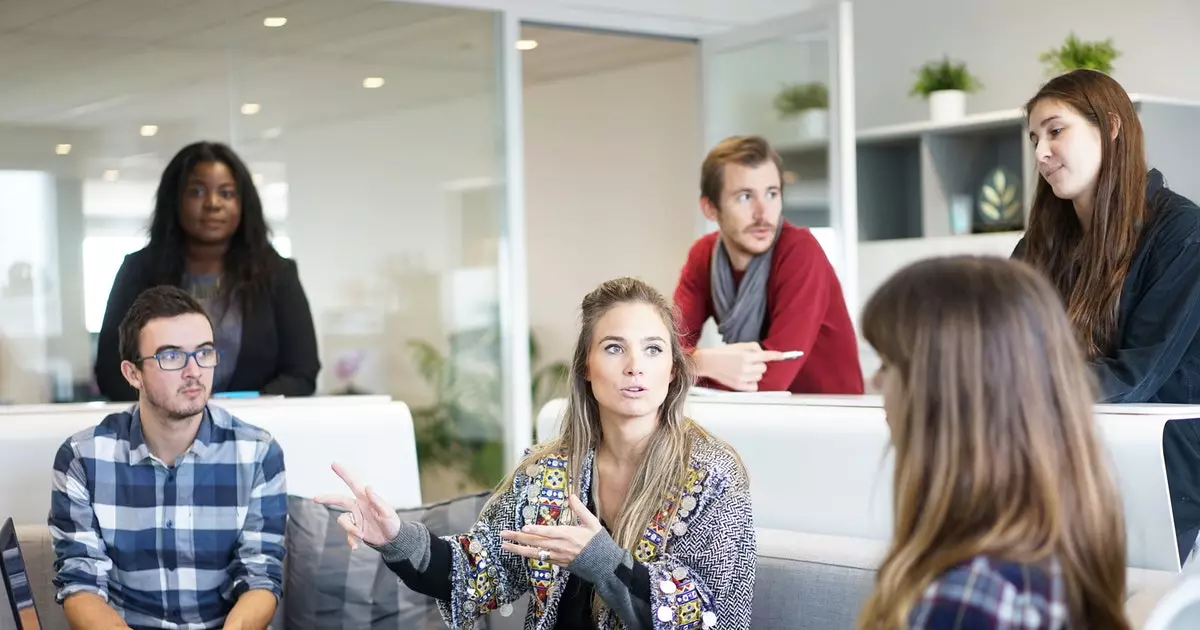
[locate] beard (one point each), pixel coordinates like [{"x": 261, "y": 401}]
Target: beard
[{"x": 176, "y": 405}]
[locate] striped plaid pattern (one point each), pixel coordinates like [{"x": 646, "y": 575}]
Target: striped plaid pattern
[
  {"x": 169, "y": 548},
  {"x": 990, "y": 593}
]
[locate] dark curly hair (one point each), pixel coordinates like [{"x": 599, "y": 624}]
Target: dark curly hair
[{"x": 247, "y": 268}]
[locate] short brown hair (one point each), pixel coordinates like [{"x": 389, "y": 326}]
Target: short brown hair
[
  {"x": 154, "y": 303},
  {"x": 744, "y": 150}
]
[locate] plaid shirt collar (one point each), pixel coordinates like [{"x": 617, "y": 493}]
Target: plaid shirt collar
[{"x": 204, "y": 444}]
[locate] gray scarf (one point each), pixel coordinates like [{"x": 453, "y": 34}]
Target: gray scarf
[{"x": 741, "y": 310}]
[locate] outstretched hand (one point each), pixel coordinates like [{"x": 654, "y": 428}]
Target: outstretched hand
[
  {"x": 561, "y": 543},
  {"x": 367, "y": 517}
]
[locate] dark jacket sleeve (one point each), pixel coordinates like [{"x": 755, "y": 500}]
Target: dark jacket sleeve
[
  {"x": 1162, "y": 324},
  {"x": 296, "y": 373},
  {"x": 128, "y": 284},
  {"x": 1018, "y": 252}
]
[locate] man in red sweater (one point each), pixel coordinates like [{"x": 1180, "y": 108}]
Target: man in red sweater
[{"x": 767, "y": 284}]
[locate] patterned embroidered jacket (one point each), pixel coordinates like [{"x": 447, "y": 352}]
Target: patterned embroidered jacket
[{"x": 701, "y": 557}]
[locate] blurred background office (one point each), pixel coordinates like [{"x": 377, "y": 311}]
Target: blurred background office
[{"x": 438, "y": 219}]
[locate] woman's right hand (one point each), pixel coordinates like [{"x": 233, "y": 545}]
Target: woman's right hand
[{"x": 367, "y": 517}]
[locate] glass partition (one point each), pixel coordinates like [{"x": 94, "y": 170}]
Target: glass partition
[{"x": 374, "y": 132}]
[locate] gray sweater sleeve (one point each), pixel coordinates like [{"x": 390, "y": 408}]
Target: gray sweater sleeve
[
  {"x": 618, "y": 578},
  {"x": 410, "y": 544},
  {"x": 707, "y": 574}
]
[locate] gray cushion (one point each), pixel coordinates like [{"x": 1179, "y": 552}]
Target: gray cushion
[
  {"x": 329, "y": 587},
  {"x": 804, "y": 595}
]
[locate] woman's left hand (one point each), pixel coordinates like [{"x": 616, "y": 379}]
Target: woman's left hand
[{"x": 561, "y": 543}]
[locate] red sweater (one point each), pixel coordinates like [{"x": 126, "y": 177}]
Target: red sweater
[{"x": 805, "y": 311}]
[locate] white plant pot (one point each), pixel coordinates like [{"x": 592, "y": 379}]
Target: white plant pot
[
  {"x": 947, "y": 105},
  {"x": 813, "y": 124}
]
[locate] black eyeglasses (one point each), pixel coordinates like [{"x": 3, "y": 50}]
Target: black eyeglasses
[{"x": 174, "y": 360}]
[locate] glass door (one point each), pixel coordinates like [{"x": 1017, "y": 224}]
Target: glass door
[{"x": 791, "y": 80}]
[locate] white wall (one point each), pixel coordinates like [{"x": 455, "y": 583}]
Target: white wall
[
  {"x": 371, "y": 230},
  {"x": 612, "y": 165},
  {"x": 612, "y": 177},
  {"x": 1001, "y": 41}
]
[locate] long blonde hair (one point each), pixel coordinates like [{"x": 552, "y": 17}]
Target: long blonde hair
[
  {"x": 993, "y": 433},
  {"x": 670, "y": 447}
]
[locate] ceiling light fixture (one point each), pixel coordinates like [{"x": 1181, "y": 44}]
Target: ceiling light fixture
[
  {"x": 373, "y": 82},
  {"x": 526, "y": 44},
  {"x": 258, "y": 179},
  {"x": 112, "y": 175},
  {"x": 149, "y": 130},
  {"x": 274, "y": 22},
  {"x": 62, "y": 149},
  {"x": 272, "y": 133},
  {"x": 251, "y": 109}
]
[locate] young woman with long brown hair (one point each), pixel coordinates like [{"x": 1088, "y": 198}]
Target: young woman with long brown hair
[
  {"x": 632, "y": 517},
  {"x": 1004, "y": 506},
  {"x": 1123, "y": 250}
]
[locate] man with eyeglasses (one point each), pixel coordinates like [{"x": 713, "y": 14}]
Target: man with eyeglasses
[{"x": 170, "y": 514}]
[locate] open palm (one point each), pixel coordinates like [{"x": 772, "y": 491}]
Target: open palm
[{"x": 367, "y": 517}]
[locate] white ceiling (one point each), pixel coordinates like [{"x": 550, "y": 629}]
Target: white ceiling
[{"x": 106, "y": 67}]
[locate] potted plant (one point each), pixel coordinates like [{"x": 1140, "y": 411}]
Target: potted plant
[
  {"x": 1075, "y": 54},
  {"x": 460, "y": 434},
  {"x": 946, "y": 84},
  {"x": 808, "y": 105}
]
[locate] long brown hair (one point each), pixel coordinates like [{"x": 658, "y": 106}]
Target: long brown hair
[
  {"x": 1089, "y": 266},
  {"x": 993, "y": 434},
  {"x": 669, "y": 450}
]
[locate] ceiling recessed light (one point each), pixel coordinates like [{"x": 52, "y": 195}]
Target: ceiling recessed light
[
  {"x": 526, "y": 44},
  {"x": 62, "y": 149},
  {"x": 272, "y": 133},
  {"x": 258, "y": 179},
  {"x": 149, "y": 130},
  {"x": 250, "y": 109},
  {"x": 274, "y": 22},
  {"x": 112, "y": 175},
  {"x": 373, "y": 82}
]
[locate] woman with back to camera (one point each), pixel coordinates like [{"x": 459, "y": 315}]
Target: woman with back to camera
[
  {"x": 208, "y": 235},
  {"x": 633, "y": 516},
  {"x": 1005, "y": 512},
  {"x": 1123, "y": 250}
]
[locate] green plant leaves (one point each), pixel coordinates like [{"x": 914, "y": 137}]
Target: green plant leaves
[
  {"x": 944, "y": 74},
  {"x": 1075, "y": 54},
  {"x": 798, "y": 97},
  {"x": 462, "y": 427}
]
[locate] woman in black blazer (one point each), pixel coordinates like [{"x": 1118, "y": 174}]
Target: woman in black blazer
[{"x": 208, "y": 236}]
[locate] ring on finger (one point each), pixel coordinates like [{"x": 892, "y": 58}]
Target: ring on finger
[{"x": 543, "y": 555}]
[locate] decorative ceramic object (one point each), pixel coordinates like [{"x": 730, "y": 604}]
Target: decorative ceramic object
[{"x": 999, "y": 202}]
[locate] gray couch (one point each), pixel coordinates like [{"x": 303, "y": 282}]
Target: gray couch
[{"x": 326, "y": 586}]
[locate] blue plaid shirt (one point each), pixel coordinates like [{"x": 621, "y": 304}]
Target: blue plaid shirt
[
  {"x": 987, "y": 593},
  {"x": 169, "y": 547}
]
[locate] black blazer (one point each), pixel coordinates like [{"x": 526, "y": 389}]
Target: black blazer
[
  {"x": 1157, "y": 355},
  {"x": 279, "y": 344}
]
